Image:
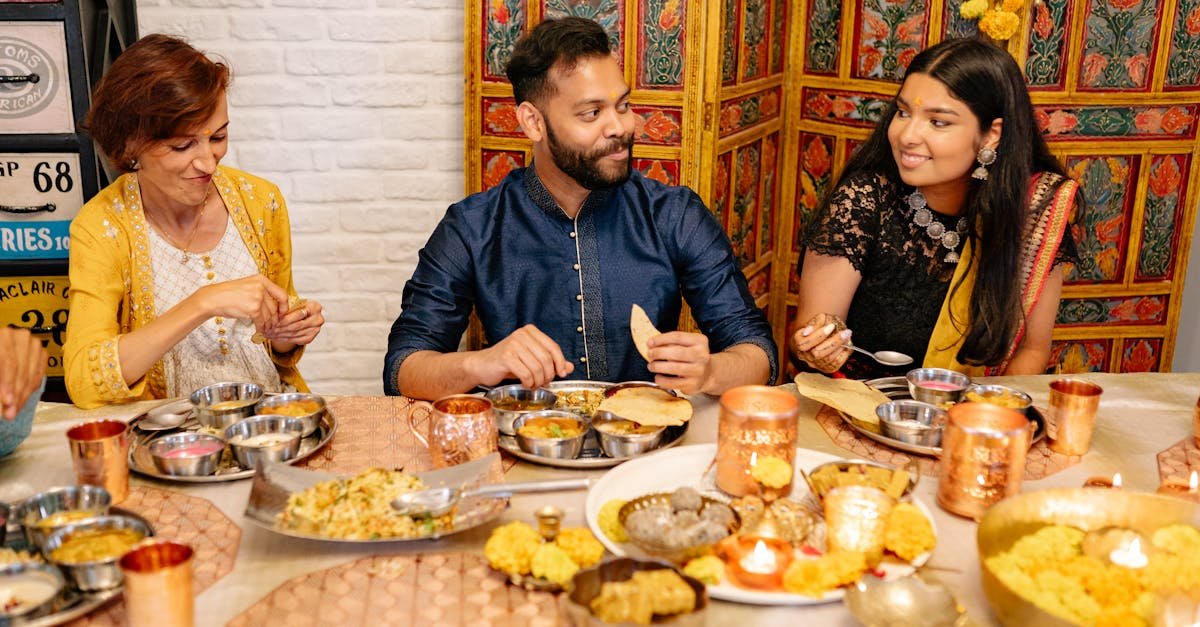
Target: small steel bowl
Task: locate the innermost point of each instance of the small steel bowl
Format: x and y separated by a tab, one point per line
511	401
676	555
557	448
955	383
249	456
85	498
51	575
912	422
618	445
1001	395
219	405
908	601
186	465
277	405
861	467
586	584
103	574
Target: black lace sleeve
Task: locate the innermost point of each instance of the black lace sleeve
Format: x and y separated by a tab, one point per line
847	226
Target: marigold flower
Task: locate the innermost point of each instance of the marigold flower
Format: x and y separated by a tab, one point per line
973	9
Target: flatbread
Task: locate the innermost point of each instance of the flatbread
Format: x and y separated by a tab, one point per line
294	303
642	330
648	406
855	398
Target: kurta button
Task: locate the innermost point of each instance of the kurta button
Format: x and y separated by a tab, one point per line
579	329
572	233
579	297
583	360
576	266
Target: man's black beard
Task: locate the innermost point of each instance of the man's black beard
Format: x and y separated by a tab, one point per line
585	168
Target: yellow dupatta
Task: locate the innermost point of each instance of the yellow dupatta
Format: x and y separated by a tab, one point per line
1044	233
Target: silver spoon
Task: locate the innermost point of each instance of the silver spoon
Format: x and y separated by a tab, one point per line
887	358
166	416
436	502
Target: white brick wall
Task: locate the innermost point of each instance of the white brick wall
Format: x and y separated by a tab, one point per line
354	108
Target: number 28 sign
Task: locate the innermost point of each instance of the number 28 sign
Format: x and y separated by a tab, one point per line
39	195
38	303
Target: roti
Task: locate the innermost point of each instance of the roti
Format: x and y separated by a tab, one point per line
855	398
648	406
642	330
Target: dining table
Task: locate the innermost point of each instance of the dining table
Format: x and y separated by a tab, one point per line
1140	415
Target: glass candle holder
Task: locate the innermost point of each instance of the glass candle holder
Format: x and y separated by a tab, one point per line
856	520
756	422
983	457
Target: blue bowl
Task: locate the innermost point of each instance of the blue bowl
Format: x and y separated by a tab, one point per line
13	432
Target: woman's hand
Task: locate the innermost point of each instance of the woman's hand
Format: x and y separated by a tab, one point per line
822	342
22	366
254	298
297	327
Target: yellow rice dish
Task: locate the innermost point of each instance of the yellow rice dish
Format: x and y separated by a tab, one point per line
1049	569
359	508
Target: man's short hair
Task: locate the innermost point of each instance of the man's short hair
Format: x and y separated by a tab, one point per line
564	40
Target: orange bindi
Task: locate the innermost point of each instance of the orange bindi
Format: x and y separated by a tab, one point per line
917	101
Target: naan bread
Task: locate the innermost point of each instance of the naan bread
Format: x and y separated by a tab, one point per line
642	330
855	398
648	406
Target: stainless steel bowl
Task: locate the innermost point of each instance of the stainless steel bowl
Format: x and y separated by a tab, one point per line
250	456
44	572
557	448
953	382
586	584
912	422
271	406
1000	395
103	574
618	445
87	498
521	400
186	465
221	404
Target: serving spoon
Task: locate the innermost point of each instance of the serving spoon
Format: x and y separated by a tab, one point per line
436	502
887	358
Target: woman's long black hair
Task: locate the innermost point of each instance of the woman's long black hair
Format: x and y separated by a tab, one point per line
988	81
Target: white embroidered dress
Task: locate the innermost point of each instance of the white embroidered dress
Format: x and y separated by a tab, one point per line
199	359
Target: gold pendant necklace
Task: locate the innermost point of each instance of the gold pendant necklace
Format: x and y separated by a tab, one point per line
191	236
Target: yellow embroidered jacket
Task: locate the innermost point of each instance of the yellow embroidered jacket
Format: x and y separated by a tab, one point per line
112	287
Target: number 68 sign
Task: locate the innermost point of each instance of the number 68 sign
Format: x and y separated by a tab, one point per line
39	195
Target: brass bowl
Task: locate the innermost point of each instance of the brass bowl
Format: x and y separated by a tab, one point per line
586	584
672	554
1086	509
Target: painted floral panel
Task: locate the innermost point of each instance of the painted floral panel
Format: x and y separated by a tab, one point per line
729	42
1183	60
1163	216
794	282
742	113
851	146
822	44
760	283
1118	44
1044	67
662	44
1074	356
503	23
754	38
779	22
498	163
721	188
889	34
1105	121
665	171
742	218
955	25
1123	310
770	179
813	178
658	125
609	14
500	118
844	107
1101	236
1141	355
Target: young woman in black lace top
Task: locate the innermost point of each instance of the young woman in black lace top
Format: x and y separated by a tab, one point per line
945	236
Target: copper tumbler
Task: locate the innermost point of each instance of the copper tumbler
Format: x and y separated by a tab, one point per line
983	457
461	428
756	421
100	454
1196	423
1073	405
158	585
856	519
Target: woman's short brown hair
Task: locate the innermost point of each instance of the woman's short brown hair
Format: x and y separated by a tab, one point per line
157	89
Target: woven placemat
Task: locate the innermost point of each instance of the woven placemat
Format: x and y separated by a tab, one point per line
373	432
434	590
1040	462
185	519
1179	462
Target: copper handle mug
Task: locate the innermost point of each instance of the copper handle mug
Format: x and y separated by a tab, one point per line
461	428
1073	406
756	421
158	585
983	457
100	455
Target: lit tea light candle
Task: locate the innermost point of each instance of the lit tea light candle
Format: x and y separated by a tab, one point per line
1104	482
757	562
760	561
1129	555
1177	488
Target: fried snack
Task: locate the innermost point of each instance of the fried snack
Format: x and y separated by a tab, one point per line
750	510
708	569
815	577
642	330
511	547
648	592
909	533
772	471
553	564
893	482
648	406
609	521
295	303
855	398
580	545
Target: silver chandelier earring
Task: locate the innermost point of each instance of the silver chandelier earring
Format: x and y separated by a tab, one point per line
986	157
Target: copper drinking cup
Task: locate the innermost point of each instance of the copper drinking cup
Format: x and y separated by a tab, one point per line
983	457
158	585
100	455
1073	406
461	428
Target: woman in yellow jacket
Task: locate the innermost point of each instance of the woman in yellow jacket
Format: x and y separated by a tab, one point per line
180	269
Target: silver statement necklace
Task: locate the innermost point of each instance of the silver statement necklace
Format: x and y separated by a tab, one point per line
937	231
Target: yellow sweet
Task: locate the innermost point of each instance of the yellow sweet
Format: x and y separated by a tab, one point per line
580	545
1177	539
511	547
708	569
772	471
909	533
609	523
815	577
553	564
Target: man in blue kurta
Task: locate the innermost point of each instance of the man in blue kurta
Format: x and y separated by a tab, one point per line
554	256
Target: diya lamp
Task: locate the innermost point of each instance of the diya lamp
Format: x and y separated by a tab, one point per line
756	562
1177	488
1104	482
